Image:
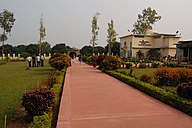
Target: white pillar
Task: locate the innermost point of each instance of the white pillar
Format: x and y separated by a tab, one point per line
3	56
19	55
13	56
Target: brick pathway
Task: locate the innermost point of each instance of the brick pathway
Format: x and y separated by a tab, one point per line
92	99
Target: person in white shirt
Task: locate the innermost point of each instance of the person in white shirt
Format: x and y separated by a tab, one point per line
29	59
38	60
42	60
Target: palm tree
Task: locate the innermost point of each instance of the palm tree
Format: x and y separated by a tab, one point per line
153	54
140	55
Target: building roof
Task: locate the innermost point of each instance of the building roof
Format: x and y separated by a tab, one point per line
152	33
184	44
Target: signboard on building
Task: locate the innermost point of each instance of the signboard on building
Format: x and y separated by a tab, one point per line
144	43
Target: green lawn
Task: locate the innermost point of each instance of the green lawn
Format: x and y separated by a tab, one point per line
15	79
138	72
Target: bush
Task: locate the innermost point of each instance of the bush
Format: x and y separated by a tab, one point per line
155	64
92	60
60	61
100	58
43	121
166	77
49	81
38	102
185	90
145	78
128	65
172	64
185	75
84	58
142	65
17	60
110	63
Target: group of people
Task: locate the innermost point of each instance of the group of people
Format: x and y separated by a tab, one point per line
79	58
36	61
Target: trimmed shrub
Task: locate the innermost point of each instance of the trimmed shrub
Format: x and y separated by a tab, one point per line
60	61
155	64
43	121
110	63
185	90
49	81
128	65
172	64
185	75
84	58
38	102
166	77
142	65
100	58
145	78
92	60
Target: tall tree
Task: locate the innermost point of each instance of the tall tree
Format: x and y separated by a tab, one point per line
115	49
32	49
95	31
111	36
45	47
59	48
42	34
6	23
86	51
145	21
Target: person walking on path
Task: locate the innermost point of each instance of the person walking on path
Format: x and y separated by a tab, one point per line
29	59
80	59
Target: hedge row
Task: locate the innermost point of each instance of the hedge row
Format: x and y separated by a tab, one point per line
49	120
156	92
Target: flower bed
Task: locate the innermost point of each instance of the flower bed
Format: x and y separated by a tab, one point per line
156	92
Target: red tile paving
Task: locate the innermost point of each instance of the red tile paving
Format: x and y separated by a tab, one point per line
92	99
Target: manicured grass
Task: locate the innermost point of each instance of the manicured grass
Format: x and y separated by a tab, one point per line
138	72
15	80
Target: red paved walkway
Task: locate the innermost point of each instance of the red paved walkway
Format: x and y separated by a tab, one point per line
92	99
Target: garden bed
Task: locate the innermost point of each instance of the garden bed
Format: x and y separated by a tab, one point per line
169	98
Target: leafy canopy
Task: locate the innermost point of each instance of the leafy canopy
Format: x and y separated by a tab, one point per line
95	30
111	37
145	21
7	20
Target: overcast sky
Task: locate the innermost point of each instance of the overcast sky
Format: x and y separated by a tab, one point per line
69	21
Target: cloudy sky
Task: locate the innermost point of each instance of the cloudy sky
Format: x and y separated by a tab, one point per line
69	21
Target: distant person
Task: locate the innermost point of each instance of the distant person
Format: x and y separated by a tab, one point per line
38	60
80	59
42	60
33	61
29	59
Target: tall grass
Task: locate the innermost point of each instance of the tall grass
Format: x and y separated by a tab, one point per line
15	79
